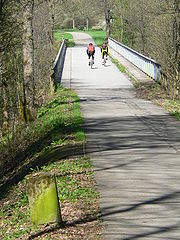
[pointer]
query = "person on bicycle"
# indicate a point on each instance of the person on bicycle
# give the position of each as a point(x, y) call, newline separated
point(104, 51)
point(90, 51)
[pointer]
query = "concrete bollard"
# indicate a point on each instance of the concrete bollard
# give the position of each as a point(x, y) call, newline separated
point(43, 198)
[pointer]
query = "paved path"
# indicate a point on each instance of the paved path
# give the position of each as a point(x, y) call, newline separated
point(135, 148)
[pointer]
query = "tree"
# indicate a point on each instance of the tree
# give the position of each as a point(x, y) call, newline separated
point(87, 10)
point(153, 29)
point(106, 6)
point(79, 13)
point(71, 8)
point(25, 63)
point(176, 42)
point(119, 20)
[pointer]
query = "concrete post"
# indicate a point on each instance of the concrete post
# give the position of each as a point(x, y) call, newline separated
point(43, 198)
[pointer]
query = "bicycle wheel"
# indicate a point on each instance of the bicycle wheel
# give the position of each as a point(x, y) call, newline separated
point(91, 62)
point(104, 60)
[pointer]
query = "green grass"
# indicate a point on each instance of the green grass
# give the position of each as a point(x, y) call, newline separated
point(59, 35)
point(14, 215)
point(58, 123)
point(75, 185)
point(61, 119)
point(98, 36)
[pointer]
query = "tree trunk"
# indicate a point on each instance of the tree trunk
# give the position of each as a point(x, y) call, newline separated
point(73, 23)
point(1, 5)
point(87, 23)
point(2, 109)
point(176, 39)
point(51, 5)
point(1, 95)
point(107, 18)
point(122, 29)
point(28, 60)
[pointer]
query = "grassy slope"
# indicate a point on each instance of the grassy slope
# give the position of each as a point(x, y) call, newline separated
point(58, 123)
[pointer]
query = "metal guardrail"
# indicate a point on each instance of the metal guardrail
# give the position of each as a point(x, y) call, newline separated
point(58, 63)
point(147, 65)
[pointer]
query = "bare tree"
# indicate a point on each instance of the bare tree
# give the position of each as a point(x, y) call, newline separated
point(176, 42)
point(25, 60)
point(106, 7)
point(87, 10)
point(152, 28)
point(70, 8)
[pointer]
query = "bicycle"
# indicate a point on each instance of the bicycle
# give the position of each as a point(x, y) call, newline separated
point(91, 61)
point(105, 59)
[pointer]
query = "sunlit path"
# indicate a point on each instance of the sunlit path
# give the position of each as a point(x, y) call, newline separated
point(134, 146)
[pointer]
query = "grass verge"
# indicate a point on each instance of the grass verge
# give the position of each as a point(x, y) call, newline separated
point(119, 66)
point(58, 123)
point(78, 199)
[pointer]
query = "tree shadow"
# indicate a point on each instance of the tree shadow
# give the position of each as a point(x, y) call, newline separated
point(158, 229)
point(127, 142)
point(89, 218)
point(63, 225)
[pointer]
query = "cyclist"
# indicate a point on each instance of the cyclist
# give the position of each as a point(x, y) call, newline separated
point(104, 51)
point(90, 51)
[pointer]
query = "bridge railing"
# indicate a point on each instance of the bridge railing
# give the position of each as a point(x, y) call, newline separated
point(59, 63)
point(147, 65)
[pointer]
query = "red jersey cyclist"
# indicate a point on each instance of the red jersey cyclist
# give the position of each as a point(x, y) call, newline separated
point(90, 52)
